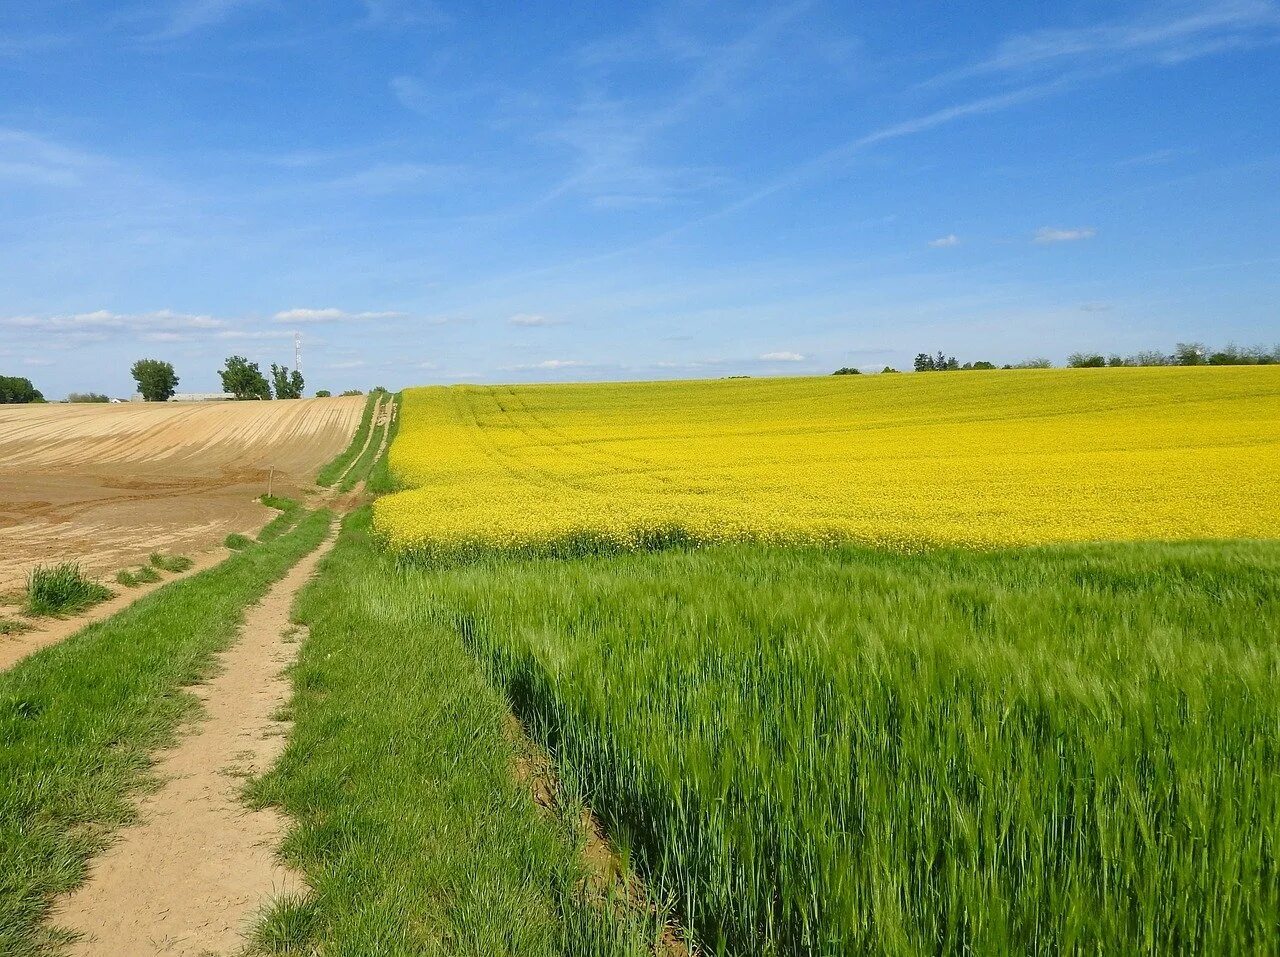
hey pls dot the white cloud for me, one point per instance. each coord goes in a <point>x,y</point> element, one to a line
<point>531,319</point>
<point>942,242</point>
<point>782,357</point>
<point>142,322</point>
<point>330,315</point>
<point>37,362</point>
<point>250,334</point>
<point>1052,234</point>
<point>551,364</point>
<point>350,364</point>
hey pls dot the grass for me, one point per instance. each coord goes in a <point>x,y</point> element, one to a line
<point>62,589</point>
<point>79,721</point>
<point>411,828</point>
<point>173,564</point>
<point>832,751</point>
<point>289,513</point>
<point>370,460</point>
<point>331,471</point>
<point>381,480</point>
<point>13,626</point>
<point>142,575</point>
<point>235,541</point>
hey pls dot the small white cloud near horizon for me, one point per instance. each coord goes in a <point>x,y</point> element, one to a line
<point>1046,235</point>
<point>531,319</point>
<point>944,242</point>
<point>549,364</point>
<point>782,357</point>
<point>330,315</point>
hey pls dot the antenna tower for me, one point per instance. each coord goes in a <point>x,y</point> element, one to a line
<point>297,352</point>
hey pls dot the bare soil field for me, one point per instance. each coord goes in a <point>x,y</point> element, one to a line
<point>106,485</point>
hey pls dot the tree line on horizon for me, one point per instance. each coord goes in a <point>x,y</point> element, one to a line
<point>1183,354</point>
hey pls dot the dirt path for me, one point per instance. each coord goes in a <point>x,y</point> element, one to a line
<point>50,631</point>
<point>191,875</point>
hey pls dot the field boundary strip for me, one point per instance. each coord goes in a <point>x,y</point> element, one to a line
<point>82,718</point>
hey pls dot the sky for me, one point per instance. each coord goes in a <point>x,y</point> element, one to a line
<point>432,191</point>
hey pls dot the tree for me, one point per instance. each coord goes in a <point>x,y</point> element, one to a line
<point>352,392</point>
<point>323,394</point>
<point>1033,363</point>
<point>287,382</point>
<point>924,363</point>
<point>847,370</point>
<point>87,397</point>
<point>1189,354</point>
<point>1085,360</point>
<point>980,364</point>
<point>156,379</point>
<point>887,369</point>
<point>243,379</point>
<point>18,390</point>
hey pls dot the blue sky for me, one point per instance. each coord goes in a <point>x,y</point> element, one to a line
<point>444,192</point>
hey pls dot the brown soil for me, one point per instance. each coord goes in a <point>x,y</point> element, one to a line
<point>108,484</point>
<point>193,873</point>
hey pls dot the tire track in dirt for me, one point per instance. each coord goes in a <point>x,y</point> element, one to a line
<point>190,876</point>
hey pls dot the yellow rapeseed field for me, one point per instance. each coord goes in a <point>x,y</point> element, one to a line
<point>983,459</point>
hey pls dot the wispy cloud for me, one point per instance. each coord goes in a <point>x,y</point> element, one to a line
<point>943,242</point>
<point>1189,33</point>
<point>549,364</point>
<point>532,319</point>
<point>1046,235</point>
<point>36,161</point>
<point>189,16</point>
<point>104,319</point>
<point>782,357</point>
<point>330,315</point>
<point>404,13</point>
<point>387,178</point>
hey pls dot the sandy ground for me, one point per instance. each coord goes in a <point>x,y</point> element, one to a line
<point>108,484</point>
<point>193,873</point>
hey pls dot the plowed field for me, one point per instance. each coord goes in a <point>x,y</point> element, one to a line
<point>108,484</point>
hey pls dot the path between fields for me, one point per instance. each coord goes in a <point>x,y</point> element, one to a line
<point>195,870</point>
<point>50,631</point>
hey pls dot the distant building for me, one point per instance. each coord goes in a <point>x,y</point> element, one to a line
<point>193,397</point>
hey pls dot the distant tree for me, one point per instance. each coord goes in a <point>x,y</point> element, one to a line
<point>323,394</point>
<point>1189,354</point>
<point>287,382</point>
<point>1037,362</point>
<point>945,363</point>
<point>352,392</point>
<point>980,364</point>
<point>1117,361</point>
<point>156,379</point>
<point>18,390</point>
<point>1085,360</point>
<point>887,369</point>
<point>924,362</point>
<point>88,397</point>
<point>384,389</point>
<point>1150,359</point>
<point>243,379</point>
<point>847,370</point>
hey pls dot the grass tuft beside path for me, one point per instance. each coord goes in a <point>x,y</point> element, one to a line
<point>79,721</point>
